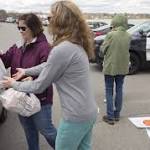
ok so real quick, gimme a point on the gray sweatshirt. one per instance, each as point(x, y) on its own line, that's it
point(68, 67)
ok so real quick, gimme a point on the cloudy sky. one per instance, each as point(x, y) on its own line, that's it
point(110, 6)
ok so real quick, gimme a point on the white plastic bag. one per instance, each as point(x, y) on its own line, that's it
point(3, 73)
point(20, 102)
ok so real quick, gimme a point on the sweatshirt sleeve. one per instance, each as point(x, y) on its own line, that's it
point(106, 43)
point(7, 57)
point(36, 70)
point(58, 60)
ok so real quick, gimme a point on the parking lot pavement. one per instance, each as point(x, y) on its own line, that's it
point(122, 136)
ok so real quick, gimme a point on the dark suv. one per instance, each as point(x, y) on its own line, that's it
point(139, 47)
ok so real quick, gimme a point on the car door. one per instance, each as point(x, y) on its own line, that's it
point(148, 46)
point(138, 42)
point(139, 38)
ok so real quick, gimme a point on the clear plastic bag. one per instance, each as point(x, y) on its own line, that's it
point(3, 73)
point(20, 102)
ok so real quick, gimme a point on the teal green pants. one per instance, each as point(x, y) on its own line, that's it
point(74, 136)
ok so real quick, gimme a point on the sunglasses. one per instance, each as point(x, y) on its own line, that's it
point(49, 18)
point(22, 28)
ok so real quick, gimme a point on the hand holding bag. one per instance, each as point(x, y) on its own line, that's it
point(3, 73)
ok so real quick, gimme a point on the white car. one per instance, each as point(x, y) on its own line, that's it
point(45, 22)
point(93, 24)
point(10, 20)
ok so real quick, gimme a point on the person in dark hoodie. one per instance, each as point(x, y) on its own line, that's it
point(34, 51)
point(116, 65)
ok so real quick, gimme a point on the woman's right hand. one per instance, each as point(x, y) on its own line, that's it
point(19, 74)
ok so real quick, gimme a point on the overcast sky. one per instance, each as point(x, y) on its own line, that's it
point(109, 6)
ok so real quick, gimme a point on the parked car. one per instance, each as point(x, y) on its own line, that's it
point(45, 22)
point(10, 20)
point(3, 114)
point(105, 29)
point(101, 30)
point(93, 24)
point(139, 47)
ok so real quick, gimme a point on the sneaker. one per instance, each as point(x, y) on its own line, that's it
point(116, 116)
point(108, 120)
point(117, 119)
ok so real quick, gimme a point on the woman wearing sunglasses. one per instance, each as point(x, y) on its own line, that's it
point(68, 67)
point(32, 52)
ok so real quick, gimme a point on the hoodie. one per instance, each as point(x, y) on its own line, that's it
point(116, 48)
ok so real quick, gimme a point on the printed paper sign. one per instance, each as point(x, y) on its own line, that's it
point(139, 122)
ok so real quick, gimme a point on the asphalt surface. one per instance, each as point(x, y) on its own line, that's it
point(122, 136)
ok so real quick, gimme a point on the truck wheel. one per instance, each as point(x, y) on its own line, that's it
point(134, 64)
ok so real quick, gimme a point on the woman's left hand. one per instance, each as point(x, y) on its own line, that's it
point(27, 79)
point(7, 82)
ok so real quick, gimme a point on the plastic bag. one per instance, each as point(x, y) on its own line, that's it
point(20, 102)
point(3, 73)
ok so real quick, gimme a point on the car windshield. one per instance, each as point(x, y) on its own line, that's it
point(144, 27)
point(95, 24)
point(102, 28)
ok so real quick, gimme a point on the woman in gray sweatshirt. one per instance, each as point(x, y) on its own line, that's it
point(68, 67)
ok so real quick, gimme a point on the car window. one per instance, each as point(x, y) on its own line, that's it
point(106, 30)
point(144, 27)
point(130, 25)
point(95, 24)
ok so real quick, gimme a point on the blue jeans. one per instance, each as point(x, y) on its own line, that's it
point(114, 108)
point(39, 122)
point(74, 136)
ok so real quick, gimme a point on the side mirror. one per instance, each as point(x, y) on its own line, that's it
point(148, 34)
point(142, 33)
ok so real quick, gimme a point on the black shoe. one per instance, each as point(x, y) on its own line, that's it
point(108, 120)
point(117, 119)
point(116, 116)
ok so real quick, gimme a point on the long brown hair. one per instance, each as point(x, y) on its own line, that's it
point(68, 23)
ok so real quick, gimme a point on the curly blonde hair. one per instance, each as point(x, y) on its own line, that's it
point(68, 23)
